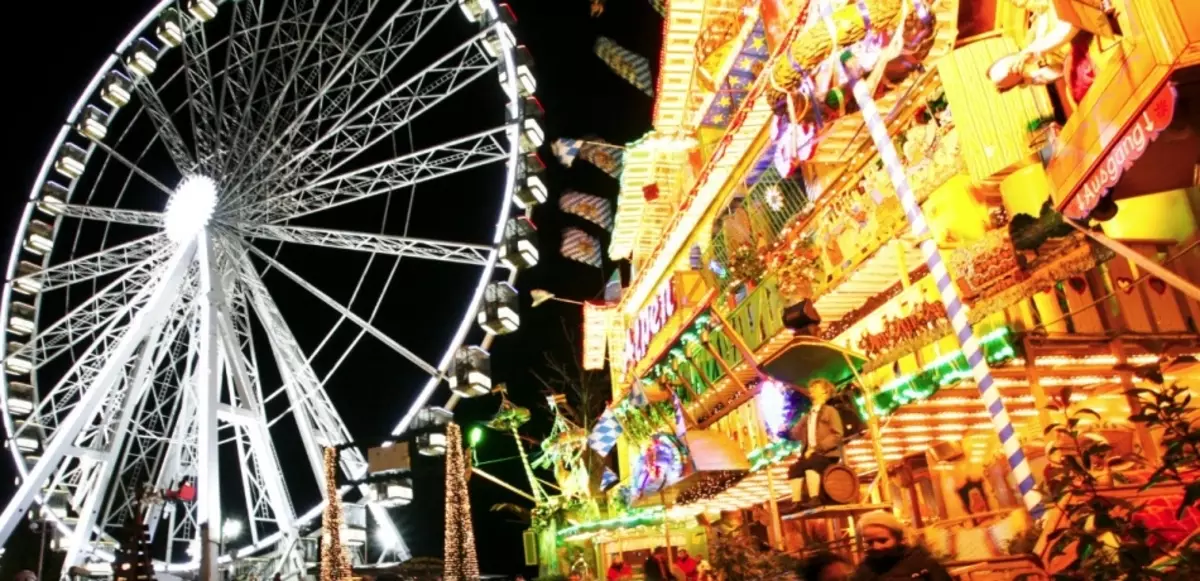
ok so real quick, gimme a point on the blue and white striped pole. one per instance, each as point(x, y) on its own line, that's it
point(955, 309)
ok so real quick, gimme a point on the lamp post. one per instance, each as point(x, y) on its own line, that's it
point(231, 529)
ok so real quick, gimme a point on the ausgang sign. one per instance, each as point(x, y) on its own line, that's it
point(1145, 129)
point(652, 318)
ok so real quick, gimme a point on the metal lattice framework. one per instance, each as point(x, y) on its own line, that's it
point(139, 318)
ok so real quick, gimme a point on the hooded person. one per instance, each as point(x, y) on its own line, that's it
point(890, 556)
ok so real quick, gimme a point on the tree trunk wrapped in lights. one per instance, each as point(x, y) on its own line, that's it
point(132, 561)
point(335, 563)
point(462, 564)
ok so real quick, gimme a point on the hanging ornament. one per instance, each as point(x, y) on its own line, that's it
point(1079, 285)
point(1125, 284)
point(1158, 285)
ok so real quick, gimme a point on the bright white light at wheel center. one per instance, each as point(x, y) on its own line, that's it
point(190, 207)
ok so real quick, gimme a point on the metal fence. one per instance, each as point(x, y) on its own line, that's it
point(752, 222)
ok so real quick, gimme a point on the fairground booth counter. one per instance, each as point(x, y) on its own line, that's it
point(968, 211)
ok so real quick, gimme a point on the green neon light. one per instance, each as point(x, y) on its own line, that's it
point(998, 347)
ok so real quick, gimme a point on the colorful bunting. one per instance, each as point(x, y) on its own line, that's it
point(594, 209)
point(605, 433)
point(608, 479)
point(566, 150)
point(582, 247)
point(628, 65)
point(650, 192)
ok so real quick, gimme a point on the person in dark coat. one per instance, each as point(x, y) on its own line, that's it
point(889, 557)
point(657, 567)
point(825, 566)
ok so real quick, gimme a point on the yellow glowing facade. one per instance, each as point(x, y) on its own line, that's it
point(976, 157)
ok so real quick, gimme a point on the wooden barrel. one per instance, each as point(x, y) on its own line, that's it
point(840, 485)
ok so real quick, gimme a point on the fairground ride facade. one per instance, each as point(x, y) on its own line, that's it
point(957, 204)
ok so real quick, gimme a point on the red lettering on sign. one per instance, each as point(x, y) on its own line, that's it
point(1138, 136)
point(649, 322)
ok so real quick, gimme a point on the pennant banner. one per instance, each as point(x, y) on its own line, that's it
point(628, 65)
point(608, 479)
point(613, 288)
point(581, 246)
point(604, 155)
point(598, 152)
point(594, 209)
point(605, 433)
point(566, 150)
point(660, 6)
point(596, 319)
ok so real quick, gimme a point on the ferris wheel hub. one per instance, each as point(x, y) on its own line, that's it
point(190, 207)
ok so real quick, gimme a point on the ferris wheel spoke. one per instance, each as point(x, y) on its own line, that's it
point(107, 261)
point(108, 436)
point(206, 123)
point(262, 75)
point(114, 215)
point(301, 70)
point(404, 171)
point(356, 130)
point(105, 334)
point(133, 167)
point(99, 381)
point(392, 44)
point(346, 312)
point(167, 132)
point(90, 317)
point(476, 254)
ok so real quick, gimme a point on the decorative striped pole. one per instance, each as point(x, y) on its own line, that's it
point(955, 309)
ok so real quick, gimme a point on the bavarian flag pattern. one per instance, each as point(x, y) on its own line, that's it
point(594, 209)
point(581, 247)
point(628, 65)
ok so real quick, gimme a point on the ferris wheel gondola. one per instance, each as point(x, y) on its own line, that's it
point(218, 133)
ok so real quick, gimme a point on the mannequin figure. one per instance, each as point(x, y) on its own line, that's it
point(822, 432)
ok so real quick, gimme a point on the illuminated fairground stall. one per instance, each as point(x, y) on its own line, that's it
point(979, 219)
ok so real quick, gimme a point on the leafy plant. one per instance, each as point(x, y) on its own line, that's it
point(739, 555)
point(1169, 410)
point(1102, 532)
point(1024, 542)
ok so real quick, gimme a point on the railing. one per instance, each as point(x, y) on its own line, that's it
point(1117, 298)
point(749, 226)
point(756, 319)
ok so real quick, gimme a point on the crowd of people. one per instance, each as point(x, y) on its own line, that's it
point(889, 555)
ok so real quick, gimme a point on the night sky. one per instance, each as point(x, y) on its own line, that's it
point(423, 305)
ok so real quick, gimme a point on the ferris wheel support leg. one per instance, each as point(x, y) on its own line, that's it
point(171, 459)
point(150, 315)
point(261, 448)
point(208, 395)
point(98, 491)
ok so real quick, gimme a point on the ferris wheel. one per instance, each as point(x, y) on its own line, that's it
point(147, 355)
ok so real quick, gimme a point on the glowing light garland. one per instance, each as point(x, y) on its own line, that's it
point(461, 561)
point(997, 346)
point(335, 564)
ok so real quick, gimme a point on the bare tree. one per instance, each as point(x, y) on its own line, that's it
point(587, 392)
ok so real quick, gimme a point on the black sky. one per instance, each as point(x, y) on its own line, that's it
point(56, 47)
